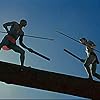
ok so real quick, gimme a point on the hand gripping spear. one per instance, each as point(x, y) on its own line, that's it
point(35, 52)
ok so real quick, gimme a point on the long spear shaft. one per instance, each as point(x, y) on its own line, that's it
point(35, 36)
point(41, 55)
point(68, 36)
point(74, 55)
point(39, 37)
point(72, 39)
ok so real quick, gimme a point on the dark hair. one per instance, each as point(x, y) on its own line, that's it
point(23, 22)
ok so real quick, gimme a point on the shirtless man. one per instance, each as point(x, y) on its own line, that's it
point(91, 62)
point(9, 41)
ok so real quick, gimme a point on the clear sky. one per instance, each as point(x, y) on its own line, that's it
point(77, 18)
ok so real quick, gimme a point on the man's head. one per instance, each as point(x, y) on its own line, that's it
point(83, 41)
point(23, 22)
point(88, 43)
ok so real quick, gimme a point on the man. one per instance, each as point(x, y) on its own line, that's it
point(15, 32)
point(92, 60)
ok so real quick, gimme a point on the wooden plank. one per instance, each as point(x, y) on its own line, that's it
point(50, 81)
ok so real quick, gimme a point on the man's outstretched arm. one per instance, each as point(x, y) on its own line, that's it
point(23, 45)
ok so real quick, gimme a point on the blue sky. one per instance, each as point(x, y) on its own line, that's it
point(77, 18)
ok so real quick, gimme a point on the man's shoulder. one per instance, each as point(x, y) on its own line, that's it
point(14, 22)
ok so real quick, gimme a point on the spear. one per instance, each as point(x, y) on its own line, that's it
point(72, 38)
point(75, 56)
point(32, 36)
point(35, 52)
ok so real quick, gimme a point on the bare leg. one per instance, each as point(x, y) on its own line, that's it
point(88, 72)
point(15, 48)
point(22, 58)
point(87, 68)
point(19, 50)
point(94, 71)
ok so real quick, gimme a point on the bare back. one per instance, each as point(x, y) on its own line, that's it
point(15, 30)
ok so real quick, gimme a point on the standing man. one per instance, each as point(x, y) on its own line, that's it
point(15, 32)
point(91, 62)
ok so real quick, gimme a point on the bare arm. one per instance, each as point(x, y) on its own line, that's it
point(21, 42)
point(5, 25)
point(23, 45)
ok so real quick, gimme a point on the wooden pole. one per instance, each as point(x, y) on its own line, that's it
point(51, 81)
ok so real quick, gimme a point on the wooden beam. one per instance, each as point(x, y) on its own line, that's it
point(50, 81)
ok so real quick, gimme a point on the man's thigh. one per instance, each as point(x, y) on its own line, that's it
point(90, 60)
point(16, 48)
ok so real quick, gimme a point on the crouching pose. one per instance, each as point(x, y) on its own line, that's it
point(9, 41)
